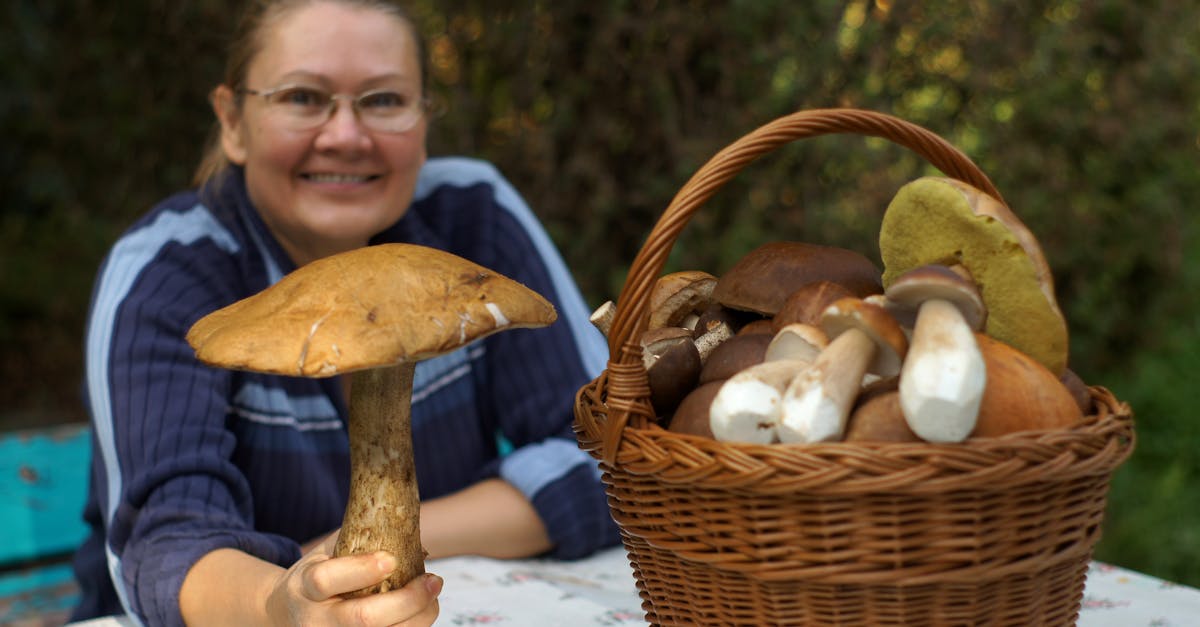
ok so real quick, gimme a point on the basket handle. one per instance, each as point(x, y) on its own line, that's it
point(628, 392)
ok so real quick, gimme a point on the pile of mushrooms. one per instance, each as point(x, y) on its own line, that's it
point(958, 337)
point(371, 313)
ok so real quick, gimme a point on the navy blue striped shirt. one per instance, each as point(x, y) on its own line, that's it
point(189, 459)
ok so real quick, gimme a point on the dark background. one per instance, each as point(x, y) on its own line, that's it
point(1084, 114)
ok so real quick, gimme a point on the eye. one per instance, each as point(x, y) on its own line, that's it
point(383, 101)
point(300, 97)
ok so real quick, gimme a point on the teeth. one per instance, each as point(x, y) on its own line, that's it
point(337, 178)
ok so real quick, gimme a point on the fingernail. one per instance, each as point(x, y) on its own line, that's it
point(433, 584)
point(385, 561)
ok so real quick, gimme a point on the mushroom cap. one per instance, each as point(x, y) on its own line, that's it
point(876, 323)
point(937, 282)
point(734, 355)
point(1021, 394)
point(369, 307)
point(806, 303)
point(945, 221)
point(877, 416)
point(797, 341)
point(763, 278)
point(678, 294)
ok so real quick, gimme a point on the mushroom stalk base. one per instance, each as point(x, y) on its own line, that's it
point(383, 510)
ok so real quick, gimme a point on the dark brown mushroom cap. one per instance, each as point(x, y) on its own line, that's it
point(806, 303)
point(937, 282)
point(877, 323)
point(763, 278)
point(369, 307)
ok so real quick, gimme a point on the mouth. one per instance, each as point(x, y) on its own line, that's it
point(338, 179)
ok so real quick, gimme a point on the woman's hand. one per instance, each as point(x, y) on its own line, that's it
point(229, 587)
point(309, 593)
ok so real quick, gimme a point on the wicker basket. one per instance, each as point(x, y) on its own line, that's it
point(993, 531)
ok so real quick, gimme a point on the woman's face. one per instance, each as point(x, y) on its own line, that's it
point(330, 188)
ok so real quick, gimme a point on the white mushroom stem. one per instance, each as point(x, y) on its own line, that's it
point(602, 317)
point(817, 403)
point(383, 509)
point(747, 406)
point(943, 377)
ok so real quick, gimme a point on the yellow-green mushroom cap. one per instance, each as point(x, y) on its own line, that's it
point(369, 307)
point(935, 220)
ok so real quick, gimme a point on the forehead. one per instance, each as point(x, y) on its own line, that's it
point(336, 43)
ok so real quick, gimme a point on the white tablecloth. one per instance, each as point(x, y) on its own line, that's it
point(600, 591)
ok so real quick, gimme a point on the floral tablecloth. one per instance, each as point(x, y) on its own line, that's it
point(600, 591)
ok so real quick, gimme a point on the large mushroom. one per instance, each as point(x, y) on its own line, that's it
point(764, 278)
point(935, 220)
point(943, 376)
point(372, 313)
point(863, 338)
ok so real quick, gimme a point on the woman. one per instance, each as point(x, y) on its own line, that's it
point(214, 492)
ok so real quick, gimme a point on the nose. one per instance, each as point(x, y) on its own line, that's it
point(343, 130)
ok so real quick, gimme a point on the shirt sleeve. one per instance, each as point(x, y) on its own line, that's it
point(535, 376)
point(169, 492)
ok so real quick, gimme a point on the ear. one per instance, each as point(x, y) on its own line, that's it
point(224, 104)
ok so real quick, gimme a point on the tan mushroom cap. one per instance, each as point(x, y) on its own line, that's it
point(879, 325)
point(763, 278)
point(369, 307)
point(935, 220)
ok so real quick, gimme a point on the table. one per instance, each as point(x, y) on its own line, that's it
point(600, 590)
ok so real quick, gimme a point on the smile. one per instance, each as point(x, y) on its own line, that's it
point(339, 178)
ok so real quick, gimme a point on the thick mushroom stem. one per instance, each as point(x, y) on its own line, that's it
point(384, 509)
point(943, 376)
point(817, 403)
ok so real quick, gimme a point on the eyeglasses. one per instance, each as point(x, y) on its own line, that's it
point(304, 108)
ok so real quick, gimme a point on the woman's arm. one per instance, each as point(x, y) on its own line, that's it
point(490, 518)
point(229, 587)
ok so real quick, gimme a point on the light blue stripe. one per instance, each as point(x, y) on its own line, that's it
point(462, 172)
point(531, 467)
point(128, 258)
point(275, 402)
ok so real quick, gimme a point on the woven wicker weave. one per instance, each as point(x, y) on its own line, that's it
point(994, 531)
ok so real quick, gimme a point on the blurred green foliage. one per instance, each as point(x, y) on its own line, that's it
point(1084, 114)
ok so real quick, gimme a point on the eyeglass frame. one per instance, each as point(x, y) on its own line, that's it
point(426, 105)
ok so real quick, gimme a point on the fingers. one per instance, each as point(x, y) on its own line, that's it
point(332, 577)
point(414, 605)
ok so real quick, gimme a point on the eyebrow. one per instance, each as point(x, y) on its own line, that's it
point(371, 83)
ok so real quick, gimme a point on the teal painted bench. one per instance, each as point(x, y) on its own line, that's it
point(43, 484)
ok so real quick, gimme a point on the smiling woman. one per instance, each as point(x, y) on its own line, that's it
point(216, 494)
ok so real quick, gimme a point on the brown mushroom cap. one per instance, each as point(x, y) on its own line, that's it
point(734, 355)
point(692, 415)
point(368, 307)
point(945, 221)
point(806, 304)
point(876, 323)
point(678, 294)
point(1021, 394)
point(877, 416)
point(762, 279)
point(672, 365)
point(937, 282)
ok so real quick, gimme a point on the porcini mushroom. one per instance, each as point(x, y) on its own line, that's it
point(747, 406)
point(943, 376)
point(679, 296)
point(672, 365)
point(946, 221)
point(1021, 394)
point(863, 338)
point(763, 278)
point(372, 313)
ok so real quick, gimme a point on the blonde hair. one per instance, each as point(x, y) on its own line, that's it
point(259, 17)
